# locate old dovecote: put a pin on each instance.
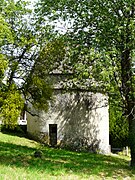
(77, 119)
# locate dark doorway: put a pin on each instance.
(53, 134)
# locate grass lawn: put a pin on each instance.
(17, 162)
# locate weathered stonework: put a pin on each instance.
(82, 121)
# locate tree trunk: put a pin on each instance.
(131, 120)
(128, 98)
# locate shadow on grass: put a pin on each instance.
(55, 161)
(19, 131)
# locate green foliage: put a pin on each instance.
(39, 85)
(5, 31)
(118, 126)
(53, 54)
(11, 106)
(98, 32)
(23, 77)
(3, 66)
(38, 92)
(5, 36)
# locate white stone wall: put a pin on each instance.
(79, 116)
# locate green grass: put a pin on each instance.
(17, 162)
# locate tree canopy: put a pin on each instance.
(21, 80)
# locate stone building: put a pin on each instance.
(76, 118)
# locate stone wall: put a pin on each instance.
(82, 121)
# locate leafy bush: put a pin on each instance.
(118, 127)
